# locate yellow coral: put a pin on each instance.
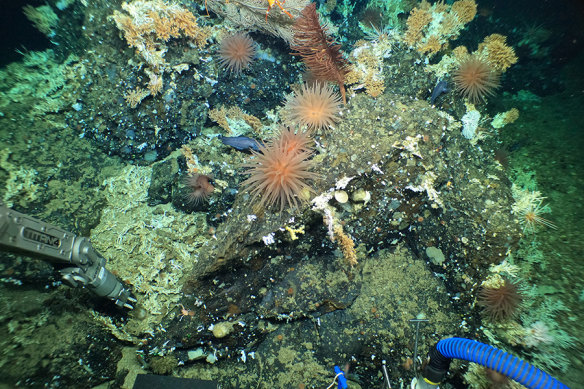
(155, 83)
(424, 5)
(367, 68)
(431, 46)
(460, 52)
(188, 24)
(192, 165)
(416, 22)
(253, 121)
(222, 114)
(164, 27)
(146, 26)
(465, 9)
(148, 20)
(493, 38)
(502, 119)
(430, 27)
(294, 232)
(497, 52)
(512, 115)
(450, 25)
(374, 87)
(346, 245)
(353, 77)
(369, 78)
(134, 97)
(440, 7)
(219, 116)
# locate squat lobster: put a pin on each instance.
(279, 4)
(271, 3)
(185, 312)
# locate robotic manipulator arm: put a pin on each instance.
(22, 233)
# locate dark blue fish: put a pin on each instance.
(441, 87)
(241, 143)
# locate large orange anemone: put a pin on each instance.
(280, 170)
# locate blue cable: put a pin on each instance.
(500, 361)
(341, 378)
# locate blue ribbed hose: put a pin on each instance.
(500, 361)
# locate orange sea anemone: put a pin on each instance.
(475, 79)
(315, 106)
(236, 52)
(502, 303)
(199, 186)
(294, 142)
(279, 172)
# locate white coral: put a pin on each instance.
(537, 334)
(470, 123)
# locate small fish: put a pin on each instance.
(241, 143)
(441, 87)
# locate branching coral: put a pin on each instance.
(147, 25)
(334, 226)
(250, 15)
(318, 50)
(495, 49)
(417, 21)
(367, 69)
(346, 244)
(502, 119)
(135, 96)
(430, 27)
(466, 10)
(233, 119)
